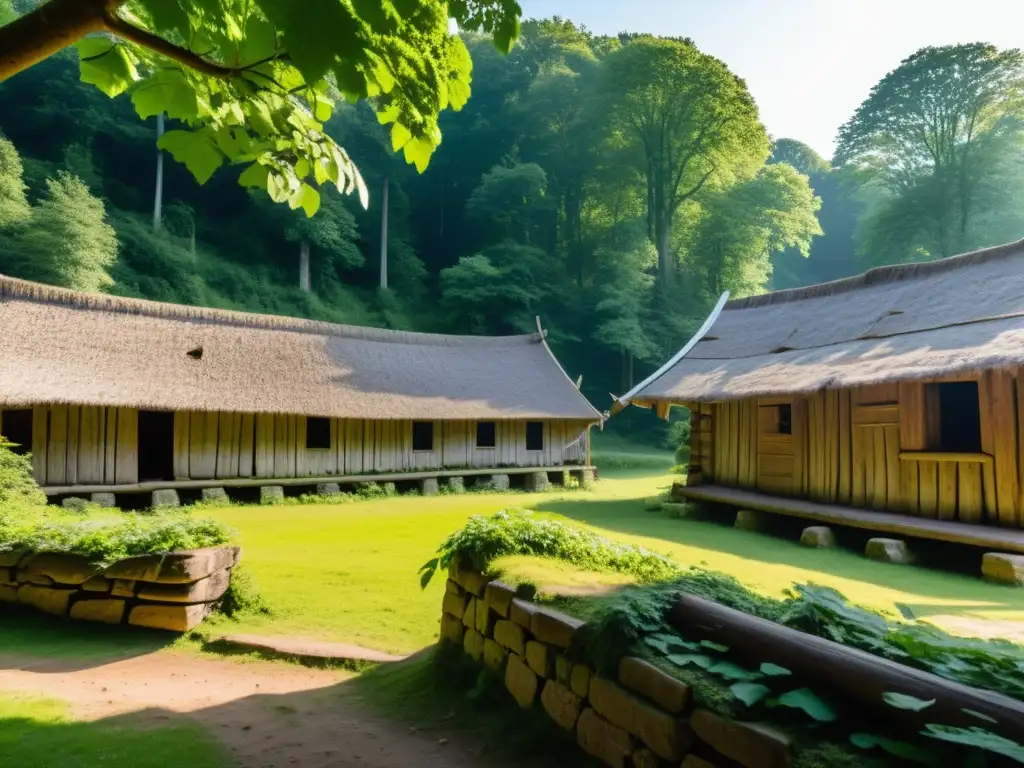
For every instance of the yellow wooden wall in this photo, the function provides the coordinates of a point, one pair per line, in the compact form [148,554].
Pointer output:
[90,445]
[867,448]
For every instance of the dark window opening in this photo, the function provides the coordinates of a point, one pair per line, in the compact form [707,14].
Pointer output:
[959,417]
[486,434]
[785,419]
[156,445]
[318,434]
[16,427]
[423,435]
[535,435]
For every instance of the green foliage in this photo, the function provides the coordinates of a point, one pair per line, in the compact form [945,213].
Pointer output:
[976,737]
[18,488]
[810,703]
[516,532]
[242,595]
[66,241]
[904,701]
[105,537]
[14,208]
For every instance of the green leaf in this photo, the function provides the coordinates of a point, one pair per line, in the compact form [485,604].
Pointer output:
[903,701]
[107,66]
[417,152]
[808,701]
[169,14]
[774,670]
[749,693]
[976,737]
[714,646]
[167,92]
[979,715]
[427,571]
[254,176]
[892,746]
[196,150]
[313,32]
[505,34]
[322,110]
[302,167]
[732,671]
[697,659]
[308,199]
[400,136]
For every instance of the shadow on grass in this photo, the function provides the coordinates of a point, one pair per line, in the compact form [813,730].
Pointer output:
[945,571]
[54,644]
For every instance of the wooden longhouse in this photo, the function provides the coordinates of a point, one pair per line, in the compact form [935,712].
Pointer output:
[121,395]
[892,401]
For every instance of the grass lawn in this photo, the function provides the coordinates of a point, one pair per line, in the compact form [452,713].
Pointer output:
[349,572]
[37,733]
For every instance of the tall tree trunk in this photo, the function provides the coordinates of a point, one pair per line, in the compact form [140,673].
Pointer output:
[384,236]
[47,29]
[158,197]
[304,282]
[662,237]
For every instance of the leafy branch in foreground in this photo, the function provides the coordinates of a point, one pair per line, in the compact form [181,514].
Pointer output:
[255,80]
[517,532]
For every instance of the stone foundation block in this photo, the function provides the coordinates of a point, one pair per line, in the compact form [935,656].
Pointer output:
[521,612]
[8,594]
[554,628]
[473,644]
[749,520]
[454,605]
[469,580]
[494,655]
[271,494]
[123,588]
[429,486]
[540,658]
[138,568]
[521,681]
[451,629]
[10,558]
[537,482]
[195,564]
[174,618]
[74,504]
[97,584]
[752,745]
[469,615]
[485,618]
[889,551]
[667,692]
[818,536]
[562,705]
[579,680]
[498,597]
[107,611]
[678,492]
[203,591]
[665,735]
[53,601]
[7,576]
[215,495]
[165,497]
[454,589]
[608,743]
[21,576]
[1004,568]
[645,758]
[680,510]
[61,568]
[563,670]
[510,635]
[103,499]
[328,489]
[500,482]
[390,489]
[456,485]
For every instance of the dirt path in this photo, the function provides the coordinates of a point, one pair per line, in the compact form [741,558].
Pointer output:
[268,715]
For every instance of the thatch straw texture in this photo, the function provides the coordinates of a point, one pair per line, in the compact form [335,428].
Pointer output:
[60,346]
[964,313]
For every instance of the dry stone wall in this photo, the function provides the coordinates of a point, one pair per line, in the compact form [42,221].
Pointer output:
[639,718]
[174,591]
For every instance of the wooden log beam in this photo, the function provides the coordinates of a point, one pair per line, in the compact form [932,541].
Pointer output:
[852,675]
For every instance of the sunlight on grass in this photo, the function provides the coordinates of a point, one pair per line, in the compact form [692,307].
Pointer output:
[40,734]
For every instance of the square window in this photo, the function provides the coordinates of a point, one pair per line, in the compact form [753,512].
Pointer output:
[16,428]
[959,417]
[775,419]
[535,435]
[318,434]
[486,434]
[785,419]
[423,435]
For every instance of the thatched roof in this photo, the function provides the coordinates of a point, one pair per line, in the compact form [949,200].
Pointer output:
[964,313]
[60,346]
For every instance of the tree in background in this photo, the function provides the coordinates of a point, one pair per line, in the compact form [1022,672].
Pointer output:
[14,209]
[254,80]
[333,234]
[929,144]
[66,241]
[692,122]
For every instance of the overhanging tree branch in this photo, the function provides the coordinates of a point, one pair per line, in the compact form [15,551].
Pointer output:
[118,26]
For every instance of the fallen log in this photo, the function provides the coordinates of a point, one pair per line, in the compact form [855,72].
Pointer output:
[850,674]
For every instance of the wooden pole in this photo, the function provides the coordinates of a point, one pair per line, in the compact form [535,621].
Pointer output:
[384,235]
[304,283]
[158,198]
[853,675]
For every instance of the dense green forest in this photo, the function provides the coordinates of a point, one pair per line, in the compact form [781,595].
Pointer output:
[614,187]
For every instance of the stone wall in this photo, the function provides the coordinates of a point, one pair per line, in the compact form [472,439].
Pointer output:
[174,591]
[639,718]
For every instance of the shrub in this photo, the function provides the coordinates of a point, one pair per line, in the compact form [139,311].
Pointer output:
[242,595]
[515,532]
[17,486]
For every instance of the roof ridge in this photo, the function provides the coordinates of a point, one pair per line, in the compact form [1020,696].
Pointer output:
[16,289]
[879,275]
